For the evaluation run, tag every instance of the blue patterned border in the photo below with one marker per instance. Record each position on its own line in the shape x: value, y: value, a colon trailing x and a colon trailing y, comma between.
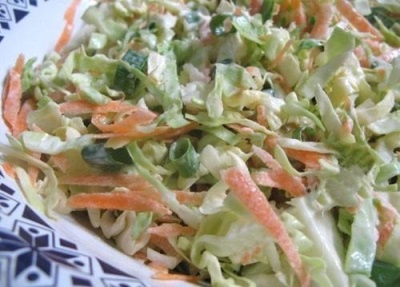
x: 12, y: 12
x: 33, y: 254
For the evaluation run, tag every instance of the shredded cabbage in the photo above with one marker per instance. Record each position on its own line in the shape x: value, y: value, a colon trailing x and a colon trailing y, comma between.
x: 169, y: 95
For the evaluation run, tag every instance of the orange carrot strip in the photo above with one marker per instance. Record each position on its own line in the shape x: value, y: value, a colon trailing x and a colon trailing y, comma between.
x: 241, y: 129
x: 387, y: 217
x: 157, y: 267
x: 33, y: 171
x: 112, y: 180
x: 244, y: 188
x: 261, y: 115
x: 190, y: 198
x: 323, y: 20
x: 84, y: 107
x: 60, y: 161
x: 356, y: 19
x: 135, y: 118
x: 9, y: 169
x: 361, y: 56
x: 171, y: 229
x: 300, y: 17
x: 249, y: 255
x: 79, y: 107
x: 12, y: 94
x: 263, y: 178
x: 117, y: 201
x: 281, y: 54
x: 140, y: 255
x: 163, y: 132
x: 162, y: 243
x: 69, y: 26
x: 266, y: 158
x: 309, y: 158
x: 21, y: 123
x: 255, y: 6
x: 282, y: 180
x: 295, y: 4
x: 180, y: 277
x: 170, y: 133
x: 278, y: 176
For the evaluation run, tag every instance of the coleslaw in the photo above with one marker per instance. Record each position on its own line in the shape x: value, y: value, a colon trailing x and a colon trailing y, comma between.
x: 236, y: 143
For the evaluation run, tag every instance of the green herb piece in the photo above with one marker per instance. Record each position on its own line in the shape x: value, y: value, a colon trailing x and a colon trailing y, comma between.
x: 266, y: 9
x: 124, y: 80
x: 385, y: 274
x: 99, y: 156
x: 221, y: 25
x: 184, y: 157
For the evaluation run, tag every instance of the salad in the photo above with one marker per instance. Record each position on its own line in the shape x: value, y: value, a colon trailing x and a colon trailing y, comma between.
x: 236, y: 143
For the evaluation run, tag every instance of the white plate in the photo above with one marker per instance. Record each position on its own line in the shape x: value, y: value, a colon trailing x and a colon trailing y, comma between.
x: 36, y: 250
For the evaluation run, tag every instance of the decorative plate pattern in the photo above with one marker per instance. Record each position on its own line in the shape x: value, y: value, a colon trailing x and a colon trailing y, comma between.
x: 34, y: 250
x: 33, y: 254
x: 13, y: 11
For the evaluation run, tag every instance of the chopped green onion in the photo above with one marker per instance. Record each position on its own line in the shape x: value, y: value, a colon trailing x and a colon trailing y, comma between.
x: 221, y: 24
x: 304, y: 133
x: 99, y: 156
x: 192, y: 17
x: 385, y: 274
x: 184, y: 157
x: 267, y: 9
x: 309, y: 44
x: 124, y: 80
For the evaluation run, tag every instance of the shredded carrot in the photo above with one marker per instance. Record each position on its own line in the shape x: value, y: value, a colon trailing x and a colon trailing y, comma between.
x: 295, y: 4
x: 264, y: 178
x: 244, y: 188
x: 79, y: 107
x: 169, y: 218
x: 140, y: 255
x: 60, y: 161
x: 33, y: 171
x: 21, y: 123
x: 190, y: 198
x: 112, y: 180
x: 84, y: 107
x: 162, y: 243
x: 300, y: 17
x: 129, y: 122
x: 9, y: 169
x: 171, y: 229
x: 261, y: 115
x: 266, y: 158
x: 241, y: 129
x: 282, y: 180
x: 361, y: 56
x: 69, y: 26
x: 180, y: 277
x: 387, y: 218
x: 277, y: 176
x: 118, y: 201
x: 249, y: 255
x: 309, y: 158
x: 158, y: 267
x: 170, y: 133
x: 270, y: 142
x: 324, y: 18
x: 255, y: 6
x: 356, y: 19
x: 162, y: 132
x: 12, y: 95
x: 281, y: 55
